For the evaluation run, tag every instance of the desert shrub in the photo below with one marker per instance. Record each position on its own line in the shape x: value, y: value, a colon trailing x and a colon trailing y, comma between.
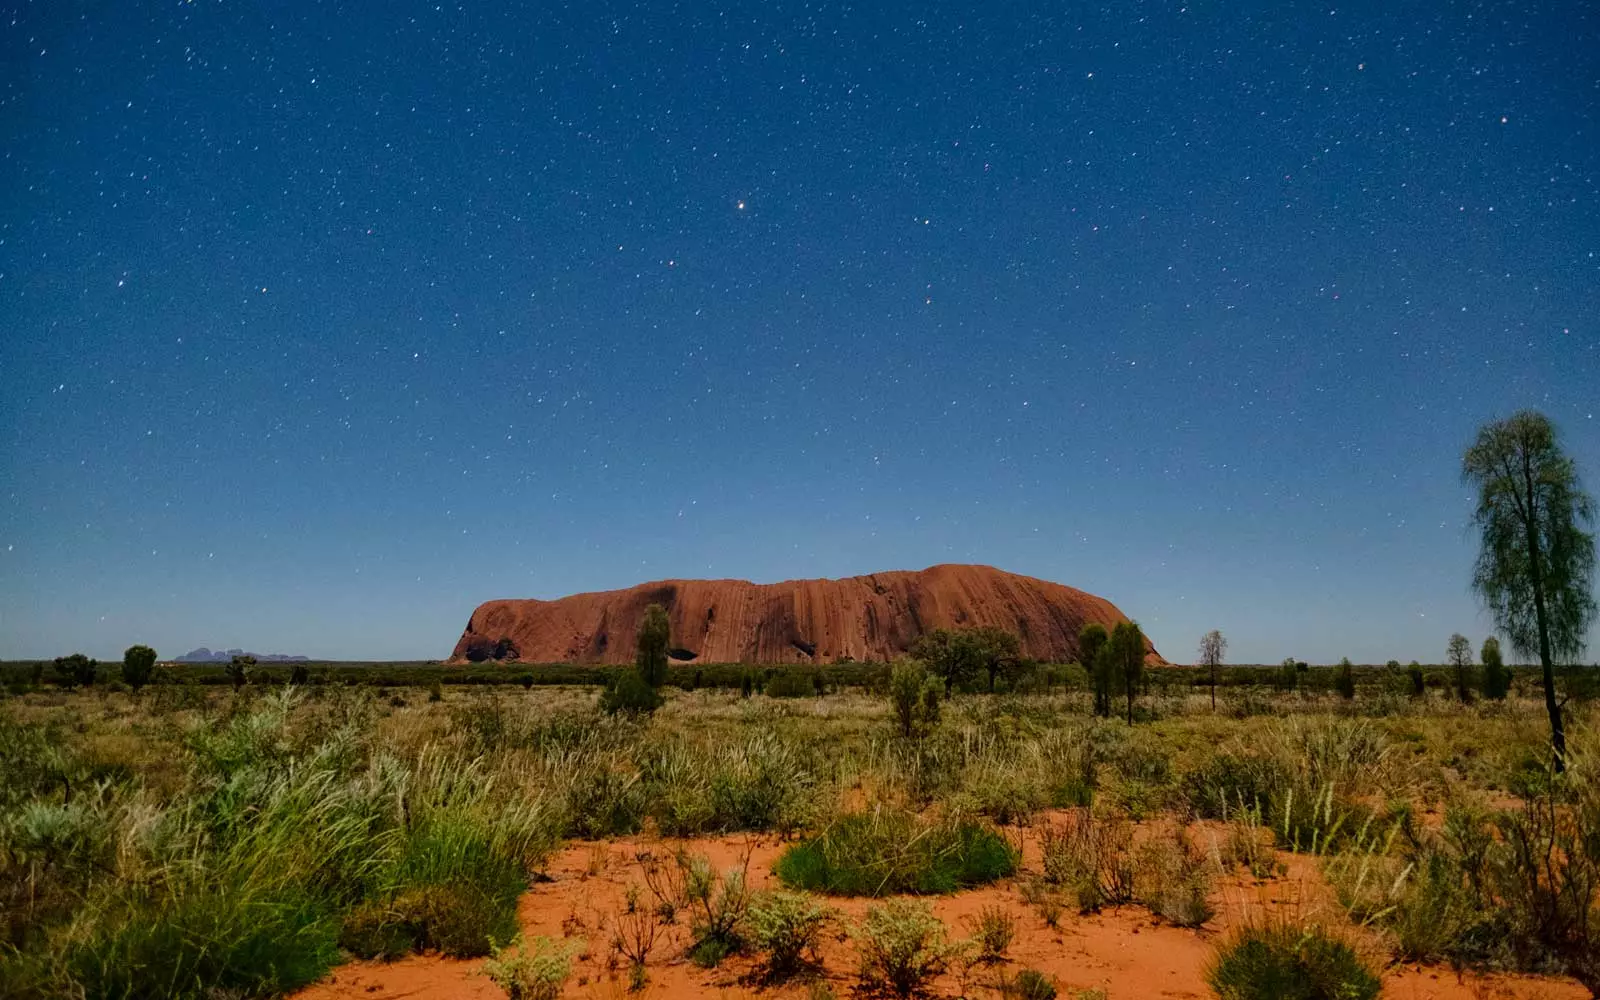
x: 993, y: 929
x: 631, y: 694
x: 536, y: 973
x: 717, y: 905
x: 887, y: 852
x: 914, y: 696
x: 1417, y: 678
x: 1280, y: 961
x: 787, y: 927
x: 1173, y: 879
x: 902, y: 947
x: 634, y: 934
x: 1030, y: 984
x: 1089, y: 857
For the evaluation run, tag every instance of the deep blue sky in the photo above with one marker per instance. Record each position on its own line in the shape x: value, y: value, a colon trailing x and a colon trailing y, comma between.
x: 322, y: 323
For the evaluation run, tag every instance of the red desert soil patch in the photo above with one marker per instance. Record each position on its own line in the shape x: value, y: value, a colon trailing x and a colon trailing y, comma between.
x: 873, y: 617
x: 1126, y: 952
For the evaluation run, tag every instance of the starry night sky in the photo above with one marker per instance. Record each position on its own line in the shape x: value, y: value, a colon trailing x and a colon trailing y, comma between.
x: 320, y: 323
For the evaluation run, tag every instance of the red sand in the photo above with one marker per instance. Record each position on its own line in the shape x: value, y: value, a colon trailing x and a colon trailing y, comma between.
x: 1127, y: 953
x: 873, y: 617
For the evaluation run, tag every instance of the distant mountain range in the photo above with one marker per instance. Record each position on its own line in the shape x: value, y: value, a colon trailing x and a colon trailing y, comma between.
x: 204, y: 655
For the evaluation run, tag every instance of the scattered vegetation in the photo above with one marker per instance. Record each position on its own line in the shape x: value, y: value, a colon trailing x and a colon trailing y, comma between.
x: 902, y: 947
x: 885, y: 852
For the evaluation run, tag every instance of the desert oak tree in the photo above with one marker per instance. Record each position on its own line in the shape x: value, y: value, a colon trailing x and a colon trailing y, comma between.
x: 1213, y: 647
x: 1535, y: 563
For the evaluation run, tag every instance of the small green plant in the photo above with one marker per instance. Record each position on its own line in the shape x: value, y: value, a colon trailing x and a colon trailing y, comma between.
x: 1283, y: 961
x: 993, y: 930
x: 717, y: 905
x: 902, y: 947
x: 538, y: 973
x: 1029, y: 984
x: 787, y: 927
x: 1174, y: 880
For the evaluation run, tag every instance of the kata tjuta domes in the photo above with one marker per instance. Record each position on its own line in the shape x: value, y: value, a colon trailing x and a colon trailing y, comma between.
x: 875, y: 617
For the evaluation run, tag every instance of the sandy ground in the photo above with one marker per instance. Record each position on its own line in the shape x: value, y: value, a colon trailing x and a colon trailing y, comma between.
x: 1126, y: 953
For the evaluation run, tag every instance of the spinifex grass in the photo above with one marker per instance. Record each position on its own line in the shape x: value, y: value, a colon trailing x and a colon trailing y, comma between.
x: 886, y: 852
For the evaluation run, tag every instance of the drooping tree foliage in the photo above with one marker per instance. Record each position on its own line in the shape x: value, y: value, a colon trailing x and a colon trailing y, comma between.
x: 1536, y: 561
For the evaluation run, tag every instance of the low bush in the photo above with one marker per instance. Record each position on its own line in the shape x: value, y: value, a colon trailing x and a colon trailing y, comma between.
x: 787, y: 927
x: 629, y: 693
x: 1030, y: 984
x: 1281, y: 961
x: 538, y: 973
x: 717, y: 905
x: 887, y: 852
x: 902, y: 947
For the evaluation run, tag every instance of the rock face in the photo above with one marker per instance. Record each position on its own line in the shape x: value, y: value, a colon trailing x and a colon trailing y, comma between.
x: 873, y: 617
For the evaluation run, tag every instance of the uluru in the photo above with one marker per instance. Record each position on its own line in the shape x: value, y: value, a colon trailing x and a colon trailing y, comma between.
x: 873, y: 617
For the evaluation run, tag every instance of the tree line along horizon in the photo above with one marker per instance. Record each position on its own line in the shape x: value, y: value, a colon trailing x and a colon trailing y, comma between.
x: 1534, y: 574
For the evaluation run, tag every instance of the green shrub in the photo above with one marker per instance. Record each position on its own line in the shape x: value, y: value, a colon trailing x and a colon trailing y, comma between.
x: 902, y: 947
x: 1283, y: 962
x: 792, y: 684
x: 138, y: 666
x: 631, y: 694
x: 717, y: 905
x: 1344, y: 679
x: 536, y: 974
x: 76, y: 670
x: 787, y: 926
x: 882, y: 853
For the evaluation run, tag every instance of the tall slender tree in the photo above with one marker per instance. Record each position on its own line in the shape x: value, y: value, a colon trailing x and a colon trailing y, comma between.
x: 1213, y: 647
x: 1092, y: 640
x: 1535, y: 565
x: 655, y: 634
x: 1459, y: 655
x: 1126, y: 650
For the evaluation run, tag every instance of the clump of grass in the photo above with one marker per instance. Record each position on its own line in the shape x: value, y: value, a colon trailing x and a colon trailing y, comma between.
x: 887, y: 852
x: 1090, y: 857
x: 993, y: 930
x: 1283, y: 961
x: 1029, y: 984
x: 1173, y: 879
x: 536, y: 973
x: 787, y: 926
x: 902, y: 947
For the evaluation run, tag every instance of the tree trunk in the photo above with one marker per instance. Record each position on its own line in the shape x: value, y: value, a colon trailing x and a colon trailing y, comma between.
x: 1558, y: 732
